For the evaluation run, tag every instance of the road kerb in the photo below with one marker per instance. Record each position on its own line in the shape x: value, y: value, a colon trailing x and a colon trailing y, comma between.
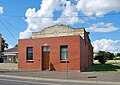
x: 61, y: 80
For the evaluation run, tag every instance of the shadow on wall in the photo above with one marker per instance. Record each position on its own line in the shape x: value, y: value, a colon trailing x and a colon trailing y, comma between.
x: 52, y: 68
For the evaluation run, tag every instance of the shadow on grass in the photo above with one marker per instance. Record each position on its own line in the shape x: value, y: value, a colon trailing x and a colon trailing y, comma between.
x: 105, y: 67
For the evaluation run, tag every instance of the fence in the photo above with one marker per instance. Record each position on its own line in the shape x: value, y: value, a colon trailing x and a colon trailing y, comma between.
x: 8, y: 66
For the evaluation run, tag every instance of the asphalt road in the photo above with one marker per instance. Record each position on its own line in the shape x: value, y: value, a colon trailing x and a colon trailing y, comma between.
x: 15, y: 81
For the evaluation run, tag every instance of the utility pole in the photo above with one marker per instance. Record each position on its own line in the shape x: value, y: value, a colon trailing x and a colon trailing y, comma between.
x: 66, y: 68
x: 67, y: 64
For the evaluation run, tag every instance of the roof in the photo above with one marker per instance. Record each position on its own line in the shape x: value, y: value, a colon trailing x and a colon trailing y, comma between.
x: 12, y: 51
x: 15, y: 49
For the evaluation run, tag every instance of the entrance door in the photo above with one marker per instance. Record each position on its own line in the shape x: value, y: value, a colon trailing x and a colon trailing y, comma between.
x: 45, y: 57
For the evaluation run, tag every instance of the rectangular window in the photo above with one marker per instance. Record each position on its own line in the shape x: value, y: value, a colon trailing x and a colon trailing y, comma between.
x: 29, y: 53
x: 63, y: 52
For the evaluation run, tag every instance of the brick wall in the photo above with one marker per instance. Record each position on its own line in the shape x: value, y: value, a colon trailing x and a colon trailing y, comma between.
x: 86, y: 52
x: 73, y: 43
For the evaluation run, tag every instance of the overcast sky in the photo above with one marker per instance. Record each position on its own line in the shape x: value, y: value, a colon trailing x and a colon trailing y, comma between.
x: 19, y: 18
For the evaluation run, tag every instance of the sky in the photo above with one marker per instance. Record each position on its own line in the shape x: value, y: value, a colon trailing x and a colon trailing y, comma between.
x: 19, y: 18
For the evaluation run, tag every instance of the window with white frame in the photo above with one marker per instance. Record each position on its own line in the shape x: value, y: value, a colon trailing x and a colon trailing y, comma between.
x: 63, y: 52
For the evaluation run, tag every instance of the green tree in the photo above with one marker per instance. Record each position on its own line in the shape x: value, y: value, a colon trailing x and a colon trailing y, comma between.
x: 4, y: 44
x: 110, y: 56
x: 118, y: 54
x: 16, y: 45
x: 102, y: 56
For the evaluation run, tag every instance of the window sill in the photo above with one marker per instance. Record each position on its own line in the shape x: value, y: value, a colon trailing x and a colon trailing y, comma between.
x: 30, y: 61
x: 64, y: 61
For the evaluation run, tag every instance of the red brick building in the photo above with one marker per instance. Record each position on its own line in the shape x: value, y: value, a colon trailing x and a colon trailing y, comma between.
x: 55, y: 48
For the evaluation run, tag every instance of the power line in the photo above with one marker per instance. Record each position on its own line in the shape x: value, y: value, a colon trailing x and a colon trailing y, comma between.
x: 10, y: 23
x: 7, y: 29
x: 55, y: 17
x: 11, y: 15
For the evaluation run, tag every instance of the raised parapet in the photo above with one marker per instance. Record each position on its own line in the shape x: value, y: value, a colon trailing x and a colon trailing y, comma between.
x: 58, y: 30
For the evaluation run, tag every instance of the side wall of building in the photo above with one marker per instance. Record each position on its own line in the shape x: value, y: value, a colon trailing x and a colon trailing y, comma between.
x: 86, y: 52
x: 73, y: 43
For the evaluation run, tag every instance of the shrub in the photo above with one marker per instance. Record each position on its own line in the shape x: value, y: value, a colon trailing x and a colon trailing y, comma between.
x: 1, y: 60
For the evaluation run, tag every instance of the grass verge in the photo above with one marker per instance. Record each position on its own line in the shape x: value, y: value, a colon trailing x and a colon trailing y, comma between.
x: 108, y: 67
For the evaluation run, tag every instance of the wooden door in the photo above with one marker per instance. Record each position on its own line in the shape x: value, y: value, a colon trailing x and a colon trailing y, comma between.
x: 45, y: 59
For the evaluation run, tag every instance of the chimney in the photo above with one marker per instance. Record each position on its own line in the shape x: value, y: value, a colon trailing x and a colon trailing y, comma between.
x: 0, y: 42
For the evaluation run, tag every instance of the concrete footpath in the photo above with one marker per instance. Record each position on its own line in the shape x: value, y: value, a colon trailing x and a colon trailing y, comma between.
x: 62, y: 75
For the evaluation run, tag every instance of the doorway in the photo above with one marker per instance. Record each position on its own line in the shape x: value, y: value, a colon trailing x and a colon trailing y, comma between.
x: 45, y: 57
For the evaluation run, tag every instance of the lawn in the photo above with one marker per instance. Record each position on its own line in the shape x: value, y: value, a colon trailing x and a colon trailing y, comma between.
x: 108, y: 67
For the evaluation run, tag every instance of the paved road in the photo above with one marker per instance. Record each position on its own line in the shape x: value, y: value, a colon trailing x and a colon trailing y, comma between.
x: 17, y: 81
x: 87, y: 76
